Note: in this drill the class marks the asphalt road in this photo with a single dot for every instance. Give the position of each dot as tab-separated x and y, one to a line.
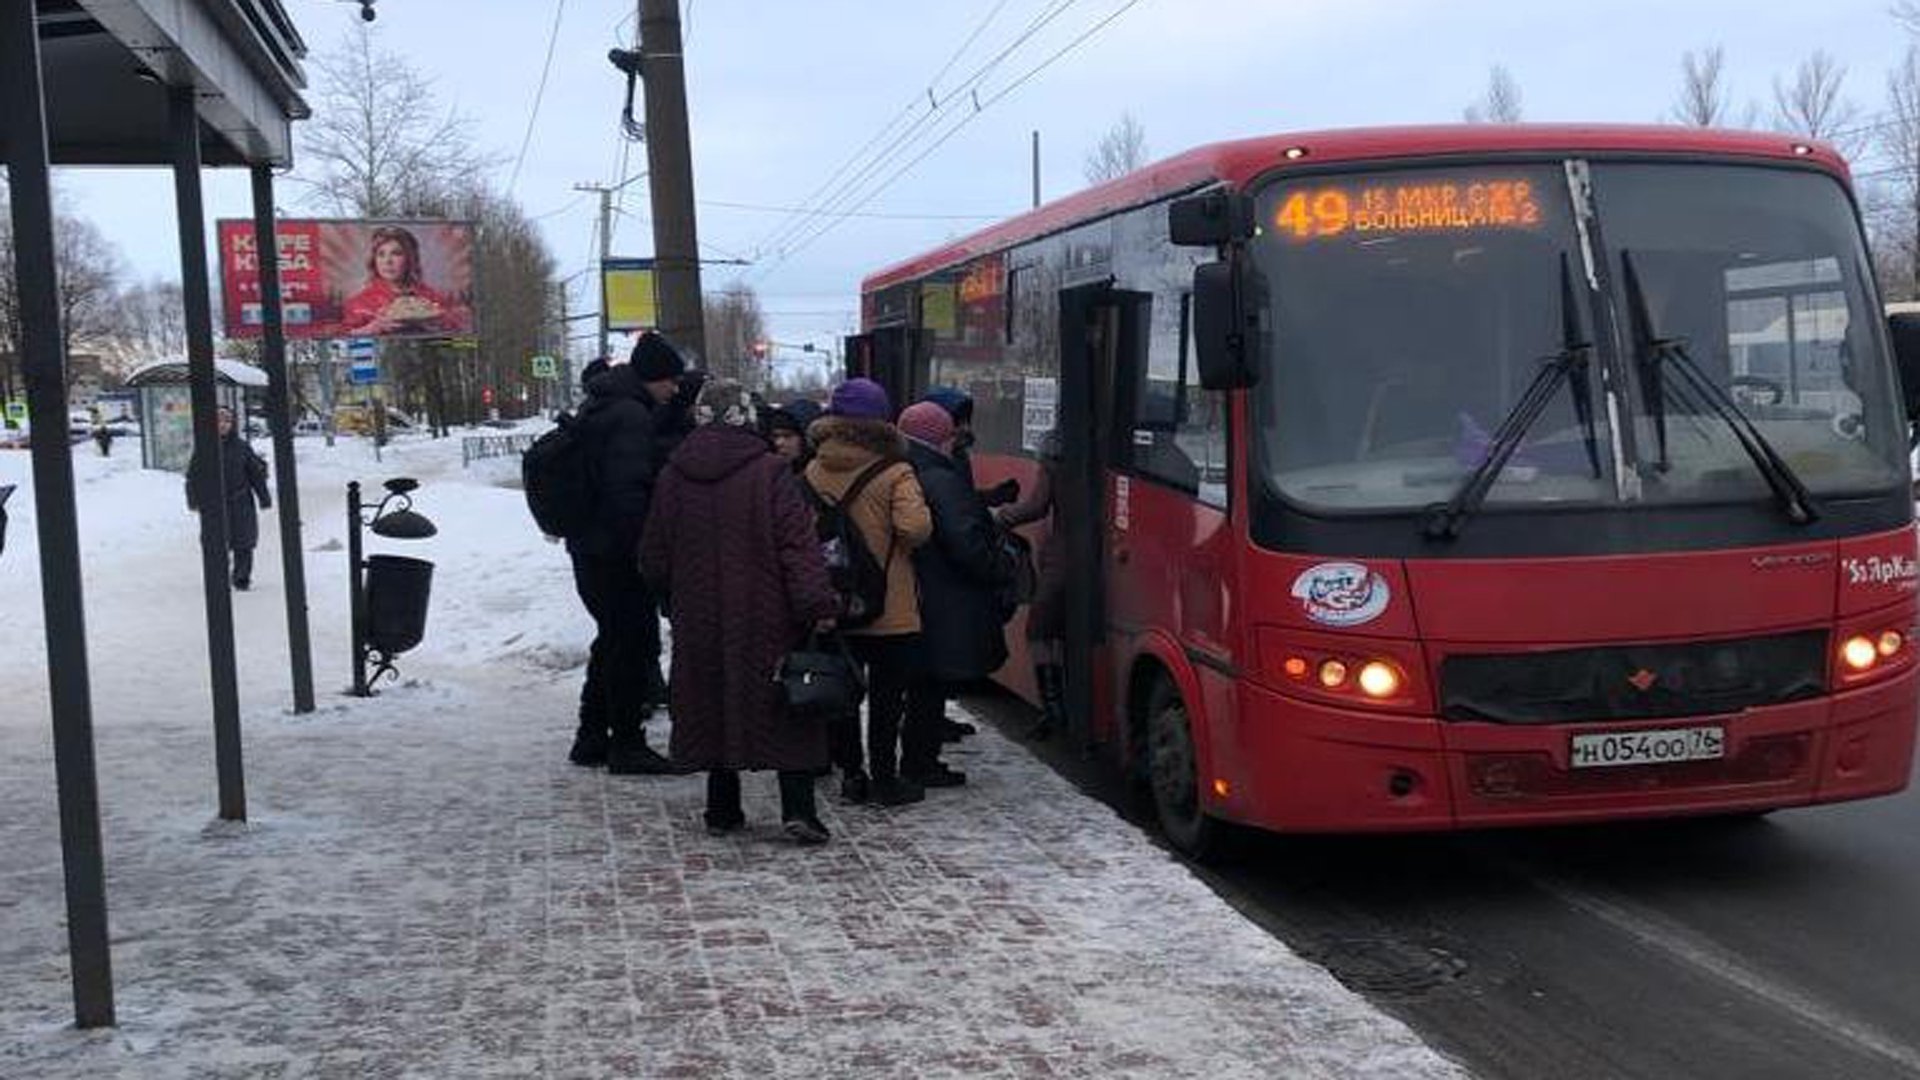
1782	947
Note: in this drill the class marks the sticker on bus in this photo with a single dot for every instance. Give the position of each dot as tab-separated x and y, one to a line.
1341	593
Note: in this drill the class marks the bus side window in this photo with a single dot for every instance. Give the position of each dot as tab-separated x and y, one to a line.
1178	428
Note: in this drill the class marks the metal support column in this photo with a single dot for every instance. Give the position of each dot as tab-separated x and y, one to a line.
210	489
55	514
273	350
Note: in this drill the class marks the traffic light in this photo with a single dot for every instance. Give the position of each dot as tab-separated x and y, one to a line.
759	350
486	395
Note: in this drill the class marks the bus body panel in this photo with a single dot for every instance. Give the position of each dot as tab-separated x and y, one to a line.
1189	596
1549	603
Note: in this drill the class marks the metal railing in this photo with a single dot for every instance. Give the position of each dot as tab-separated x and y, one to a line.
479	447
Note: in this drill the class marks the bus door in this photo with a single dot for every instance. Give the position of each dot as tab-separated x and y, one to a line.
1097	324
893	356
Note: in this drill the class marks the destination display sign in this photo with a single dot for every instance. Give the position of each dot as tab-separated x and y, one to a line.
1424	205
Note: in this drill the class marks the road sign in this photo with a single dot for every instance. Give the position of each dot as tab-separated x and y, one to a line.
361	349
364	373
544	367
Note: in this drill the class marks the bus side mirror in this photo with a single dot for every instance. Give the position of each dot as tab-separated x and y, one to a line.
1904	329
1210	220
1229	299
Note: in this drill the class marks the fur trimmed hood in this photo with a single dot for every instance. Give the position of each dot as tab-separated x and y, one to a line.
844	444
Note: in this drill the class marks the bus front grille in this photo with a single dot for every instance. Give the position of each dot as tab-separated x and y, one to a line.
1633	682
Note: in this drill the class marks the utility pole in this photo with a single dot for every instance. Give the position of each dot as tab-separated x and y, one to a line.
606	193
676	246
606	248
1036	168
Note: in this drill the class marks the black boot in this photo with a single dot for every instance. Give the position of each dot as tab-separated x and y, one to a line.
629	755
896	791
589	746
1052	679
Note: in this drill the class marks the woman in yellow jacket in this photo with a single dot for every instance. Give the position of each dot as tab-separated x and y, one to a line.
857	443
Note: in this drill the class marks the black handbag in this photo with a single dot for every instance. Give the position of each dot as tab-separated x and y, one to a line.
820	679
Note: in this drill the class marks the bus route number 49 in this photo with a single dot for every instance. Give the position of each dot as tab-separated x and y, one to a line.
1648	747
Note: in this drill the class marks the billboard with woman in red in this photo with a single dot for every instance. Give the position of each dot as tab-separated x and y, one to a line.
354	278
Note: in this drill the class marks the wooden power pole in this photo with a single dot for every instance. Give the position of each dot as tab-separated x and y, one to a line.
676	246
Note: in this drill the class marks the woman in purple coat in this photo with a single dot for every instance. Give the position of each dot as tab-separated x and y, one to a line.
730	543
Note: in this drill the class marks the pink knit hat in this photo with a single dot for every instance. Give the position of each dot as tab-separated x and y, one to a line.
928	423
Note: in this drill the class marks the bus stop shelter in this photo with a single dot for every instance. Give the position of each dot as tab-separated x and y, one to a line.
181	85
166	406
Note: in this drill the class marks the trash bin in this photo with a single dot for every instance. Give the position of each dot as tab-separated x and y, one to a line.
397	592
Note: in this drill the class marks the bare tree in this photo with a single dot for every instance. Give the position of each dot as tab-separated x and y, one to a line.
1894	201
1908	12
1705	100
149	324
734	321
1500	103
1811	104
1120	151
88	269
379	144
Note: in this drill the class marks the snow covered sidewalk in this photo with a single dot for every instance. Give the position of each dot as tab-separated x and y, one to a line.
427	889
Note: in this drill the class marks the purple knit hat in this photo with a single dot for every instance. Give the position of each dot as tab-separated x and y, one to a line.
860	399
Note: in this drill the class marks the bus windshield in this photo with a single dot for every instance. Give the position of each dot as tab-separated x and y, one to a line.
1413	308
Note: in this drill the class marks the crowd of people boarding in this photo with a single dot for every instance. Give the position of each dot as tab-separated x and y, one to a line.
843	542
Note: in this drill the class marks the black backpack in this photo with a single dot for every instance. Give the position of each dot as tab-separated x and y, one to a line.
859	578
558	473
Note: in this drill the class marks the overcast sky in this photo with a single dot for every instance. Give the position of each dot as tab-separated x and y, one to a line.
783	92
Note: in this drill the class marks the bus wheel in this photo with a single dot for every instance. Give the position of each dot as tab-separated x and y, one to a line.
1173	773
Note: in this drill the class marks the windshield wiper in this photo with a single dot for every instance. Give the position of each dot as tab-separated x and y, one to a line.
1655	355
1569	365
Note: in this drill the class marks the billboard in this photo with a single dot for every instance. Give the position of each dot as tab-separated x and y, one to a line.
343	278
627	294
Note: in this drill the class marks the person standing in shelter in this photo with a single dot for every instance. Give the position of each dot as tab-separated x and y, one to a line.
1046	615
242	480
730	543
623	664
860	460
961	571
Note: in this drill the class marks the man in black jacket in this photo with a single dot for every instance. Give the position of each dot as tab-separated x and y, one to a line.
623	665
960	572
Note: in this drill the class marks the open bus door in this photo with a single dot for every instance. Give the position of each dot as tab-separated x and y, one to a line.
1098	326
892	356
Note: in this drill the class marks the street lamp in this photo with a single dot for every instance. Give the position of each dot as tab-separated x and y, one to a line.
388	603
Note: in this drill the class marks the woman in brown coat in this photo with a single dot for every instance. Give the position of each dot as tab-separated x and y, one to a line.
857	438
730	543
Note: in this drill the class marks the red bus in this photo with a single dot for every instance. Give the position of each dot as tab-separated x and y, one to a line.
1436	478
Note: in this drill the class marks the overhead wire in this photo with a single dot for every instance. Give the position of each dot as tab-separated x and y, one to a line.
539	95
834	188
889	215
1086	35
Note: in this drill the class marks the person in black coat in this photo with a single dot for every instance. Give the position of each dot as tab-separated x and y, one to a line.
621	422
961	572
242	479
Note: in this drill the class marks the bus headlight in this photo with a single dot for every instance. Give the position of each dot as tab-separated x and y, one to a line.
1859	652
1378	679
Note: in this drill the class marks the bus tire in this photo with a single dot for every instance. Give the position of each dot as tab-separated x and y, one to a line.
1173	773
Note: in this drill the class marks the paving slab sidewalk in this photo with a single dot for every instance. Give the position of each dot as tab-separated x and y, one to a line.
428	890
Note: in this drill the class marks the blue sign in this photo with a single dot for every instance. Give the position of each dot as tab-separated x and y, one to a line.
363	373
361	349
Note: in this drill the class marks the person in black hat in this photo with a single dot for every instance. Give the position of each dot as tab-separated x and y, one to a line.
621	421
787	431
